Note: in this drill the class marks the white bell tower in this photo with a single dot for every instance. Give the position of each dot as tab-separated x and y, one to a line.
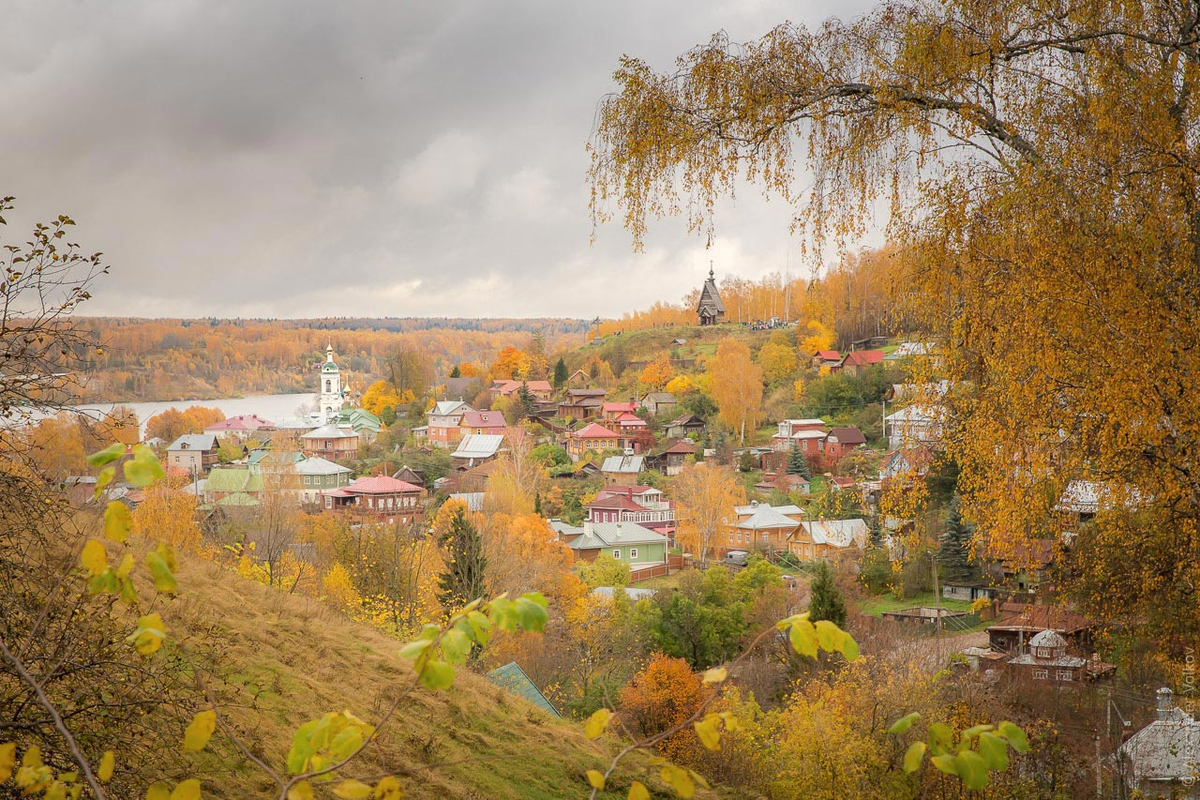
330	391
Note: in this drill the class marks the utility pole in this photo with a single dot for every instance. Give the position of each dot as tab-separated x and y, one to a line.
937	599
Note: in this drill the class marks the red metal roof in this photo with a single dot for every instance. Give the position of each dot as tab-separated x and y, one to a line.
848	435
829	355
594	431
382	484
483	419
242	422
619	405
863	358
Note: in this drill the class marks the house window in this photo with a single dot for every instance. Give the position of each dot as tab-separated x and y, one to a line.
617	554
1040	674
1064	674
633	555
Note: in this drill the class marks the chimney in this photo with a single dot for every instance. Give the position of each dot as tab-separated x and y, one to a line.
619	533
1166	706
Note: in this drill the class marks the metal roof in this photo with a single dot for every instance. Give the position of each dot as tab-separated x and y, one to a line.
479	445
194	441
320	466
514	679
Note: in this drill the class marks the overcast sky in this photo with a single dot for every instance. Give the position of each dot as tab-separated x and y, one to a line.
296	159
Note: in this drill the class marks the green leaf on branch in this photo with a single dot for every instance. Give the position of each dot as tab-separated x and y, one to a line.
107	455
162	564
913	756
118	521
972	769
437	675
994	750
1016	736
904	723
946	763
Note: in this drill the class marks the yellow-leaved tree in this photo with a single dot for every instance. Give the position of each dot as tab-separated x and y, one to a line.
658	372
737	386
1042	168
707	494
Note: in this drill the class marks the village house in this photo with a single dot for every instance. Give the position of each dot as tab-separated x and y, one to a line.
826	358
383	497
782	482
443	422
409	475
807	434
330	442
541	390
840	441
688	426
912	426
710	310
483	422
1018	623
581	403
659	403
610	410
762	527
629	424
623	469
828	539
911	463
1161	759
855	363
226	482
476	449
316	475
643	505
193	452
590	440
241	427
1046	660
360	421
626	542
670	457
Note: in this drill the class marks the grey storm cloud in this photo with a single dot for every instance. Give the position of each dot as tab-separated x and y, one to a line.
312	158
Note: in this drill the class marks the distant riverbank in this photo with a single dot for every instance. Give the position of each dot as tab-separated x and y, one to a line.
268	406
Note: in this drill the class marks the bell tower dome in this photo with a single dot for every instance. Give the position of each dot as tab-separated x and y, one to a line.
330	391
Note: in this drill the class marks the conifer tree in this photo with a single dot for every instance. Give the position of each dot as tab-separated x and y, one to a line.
797	464
560	373
954	552
456	372
526	403
464	578
826	600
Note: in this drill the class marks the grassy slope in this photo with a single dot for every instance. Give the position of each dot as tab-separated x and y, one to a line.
285	660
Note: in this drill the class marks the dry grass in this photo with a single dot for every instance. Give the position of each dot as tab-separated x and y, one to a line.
281	660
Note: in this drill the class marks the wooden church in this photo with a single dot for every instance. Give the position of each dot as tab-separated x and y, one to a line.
710	309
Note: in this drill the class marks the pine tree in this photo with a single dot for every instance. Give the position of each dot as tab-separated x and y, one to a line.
560	373
826	601
456	372
525	403
464	578
797	464
954	552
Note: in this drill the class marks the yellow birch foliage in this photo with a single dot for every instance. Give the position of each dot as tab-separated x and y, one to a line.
658	372
169	515
737	387
707	494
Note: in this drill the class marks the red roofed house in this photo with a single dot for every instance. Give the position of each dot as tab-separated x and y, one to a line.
381	496
854	363
826	358
539	389
240	427
591	439
643	505
474	423
807	434
630	423
840	441
611	410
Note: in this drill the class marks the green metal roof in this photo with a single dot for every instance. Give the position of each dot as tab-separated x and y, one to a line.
514	679
233	480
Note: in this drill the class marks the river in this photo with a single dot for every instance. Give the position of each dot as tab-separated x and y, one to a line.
268	406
